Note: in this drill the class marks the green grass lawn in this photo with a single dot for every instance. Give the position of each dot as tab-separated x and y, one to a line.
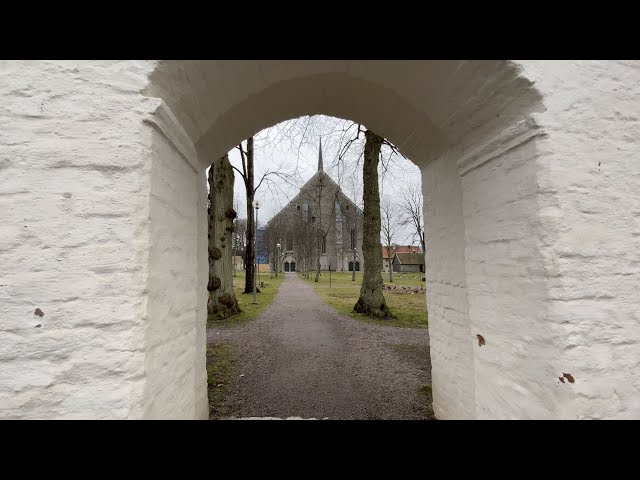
410	309
221	371
250	311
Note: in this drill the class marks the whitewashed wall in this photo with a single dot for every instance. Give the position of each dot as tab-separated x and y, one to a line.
532	203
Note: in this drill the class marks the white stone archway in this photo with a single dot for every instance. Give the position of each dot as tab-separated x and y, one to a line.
524	165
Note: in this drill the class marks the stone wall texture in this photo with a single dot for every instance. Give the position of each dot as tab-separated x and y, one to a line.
532	212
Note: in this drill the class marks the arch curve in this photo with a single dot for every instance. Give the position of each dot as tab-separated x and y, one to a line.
452	119
422	107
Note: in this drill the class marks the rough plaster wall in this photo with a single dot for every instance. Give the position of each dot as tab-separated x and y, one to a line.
74	208
173	364
412	102
75	180
449	330
590	218
202	295
515	370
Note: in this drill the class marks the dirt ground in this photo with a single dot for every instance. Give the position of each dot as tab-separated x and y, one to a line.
300	358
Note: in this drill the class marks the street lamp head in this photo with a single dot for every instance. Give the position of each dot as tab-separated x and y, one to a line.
256	204
278	245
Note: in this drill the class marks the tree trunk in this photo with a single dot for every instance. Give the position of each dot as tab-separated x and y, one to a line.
353	269
318	262
222	299
251	230
390	264
371	301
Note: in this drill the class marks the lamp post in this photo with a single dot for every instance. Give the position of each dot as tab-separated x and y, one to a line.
277	259
256	205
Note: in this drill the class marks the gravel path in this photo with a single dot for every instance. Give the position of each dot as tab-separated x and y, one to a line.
301	358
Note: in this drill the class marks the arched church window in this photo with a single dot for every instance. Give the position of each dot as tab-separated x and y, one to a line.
324	244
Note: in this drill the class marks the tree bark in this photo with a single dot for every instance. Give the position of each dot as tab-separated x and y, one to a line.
318	263
251	231
390	260
371	301
222	299
353	269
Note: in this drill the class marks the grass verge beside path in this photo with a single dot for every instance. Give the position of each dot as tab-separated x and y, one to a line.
249	311
409	308
220	375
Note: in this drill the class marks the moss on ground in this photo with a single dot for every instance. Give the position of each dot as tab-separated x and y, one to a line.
221	369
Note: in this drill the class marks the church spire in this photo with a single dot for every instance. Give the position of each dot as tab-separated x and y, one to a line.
320	156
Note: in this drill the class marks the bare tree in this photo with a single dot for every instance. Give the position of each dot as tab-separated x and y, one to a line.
389	228
354	227
247	174
239	238
345	137
372	301
275	233
412	212
222	299
304	236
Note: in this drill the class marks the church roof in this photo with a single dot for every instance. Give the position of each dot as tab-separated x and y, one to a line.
400	249
319	176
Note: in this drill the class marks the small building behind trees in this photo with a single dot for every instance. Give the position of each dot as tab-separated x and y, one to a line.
408	262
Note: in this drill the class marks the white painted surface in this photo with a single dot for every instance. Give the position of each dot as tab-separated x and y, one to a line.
532	241
74	242
450	335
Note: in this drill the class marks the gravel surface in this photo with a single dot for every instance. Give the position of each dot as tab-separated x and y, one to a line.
300	358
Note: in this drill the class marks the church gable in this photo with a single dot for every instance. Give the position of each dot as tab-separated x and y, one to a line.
308	194
320	225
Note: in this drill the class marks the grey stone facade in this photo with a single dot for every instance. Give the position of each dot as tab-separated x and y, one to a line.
321	218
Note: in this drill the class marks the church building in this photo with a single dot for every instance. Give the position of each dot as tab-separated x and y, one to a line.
319	225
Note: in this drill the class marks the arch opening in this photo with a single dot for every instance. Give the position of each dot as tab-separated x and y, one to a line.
445	116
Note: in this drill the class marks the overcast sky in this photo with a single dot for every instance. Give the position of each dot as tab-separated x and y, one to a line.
292	149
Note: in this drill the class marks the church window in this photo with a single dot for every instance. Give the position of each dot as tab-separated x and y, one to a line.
313	219
298	207
324	244
353	239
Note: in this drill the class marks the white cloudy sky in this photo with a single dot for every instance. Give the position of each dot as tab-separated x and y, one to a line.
292	149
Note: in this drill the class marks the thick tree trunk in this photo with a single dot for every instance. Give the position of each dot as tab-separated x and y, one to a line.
371	301
222	299
250	258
